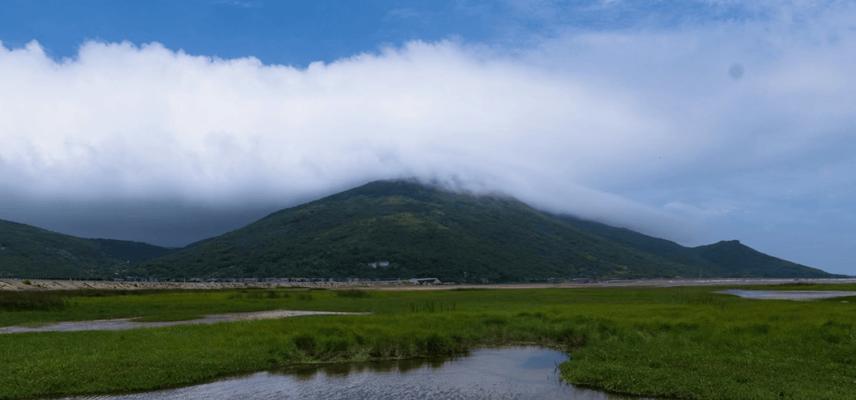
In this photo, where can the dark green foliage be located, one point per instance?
(31, 301)
(732, 258)
(431, 307)
(260, 294)
(423, 231)
(30, 252)
(305, 343)
(352, 293)
(131, 252)
(723, 259)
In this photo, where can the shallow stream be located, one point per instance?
(503, 373)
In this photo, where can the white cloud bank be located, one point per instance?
(577, 124)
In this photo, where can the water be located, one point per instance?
(789, 294)
(128, 323)
(505, 373)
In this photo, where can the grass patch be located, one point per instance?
(259, 294)
(31, 301)
(685, 343)
(353, 293)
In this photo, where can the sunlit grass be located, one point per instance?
(670, 342)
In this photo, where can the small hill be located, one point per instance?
(403, 229)
(130, 252)
(30, 252)
(722, 259)
(732, 258)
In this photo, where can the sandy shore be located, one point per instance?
(51, 284)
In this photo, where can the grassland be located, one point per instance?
(687, 343)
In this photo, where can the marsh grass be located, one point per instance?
(432, 307)
(686, 343)
(259, 294)
(31, 301)
(353, 293)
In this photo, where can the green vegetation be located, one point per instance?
(389, 230)
(356, 293)
(31, 301)
(27, 251)
(687, 343)
(728, 258)
(423, 231)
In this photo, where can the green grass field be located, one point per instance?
(687, 343)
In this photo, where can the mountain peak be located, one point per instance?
(729, 243)
(417, 229)
(425, 229)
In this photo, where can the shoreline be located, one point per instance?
(60, 284)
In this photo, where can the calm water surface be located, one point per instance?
(506, 373)
(122, 324)
(789, 294)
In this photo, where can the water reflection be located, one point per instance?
(789, 294)
(121, 324)
(506, 373)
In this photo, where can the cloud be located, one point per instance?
(127, 122)
(583, 122)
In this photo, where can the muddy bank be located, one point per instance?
(120, 324)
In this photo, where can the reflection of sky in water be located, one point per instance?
(788, 294)
(507, 373)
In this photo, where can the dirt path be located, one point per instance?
(128, 323)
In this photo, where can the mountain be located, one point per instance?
(732, 258)
(30, 252)
(403, 229)
(728, 258)
(130, 252)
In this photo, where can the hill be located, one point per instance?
(130, 252)
(732, 258)
(30, 252)
(402, 229)
(728, 258)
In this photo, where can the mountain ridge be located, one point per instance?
(31, 252)
(423, 230)
(708, 258)
(396, 229)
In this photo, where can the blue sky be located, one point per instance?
(170, 121)
(300, 32)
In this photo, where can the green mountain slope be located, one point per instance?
(732, 258)
(424, 231)
(130, 252)
(30, 252)
(722, 259)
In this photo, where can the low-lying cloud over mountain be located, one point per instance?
(741, 128)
